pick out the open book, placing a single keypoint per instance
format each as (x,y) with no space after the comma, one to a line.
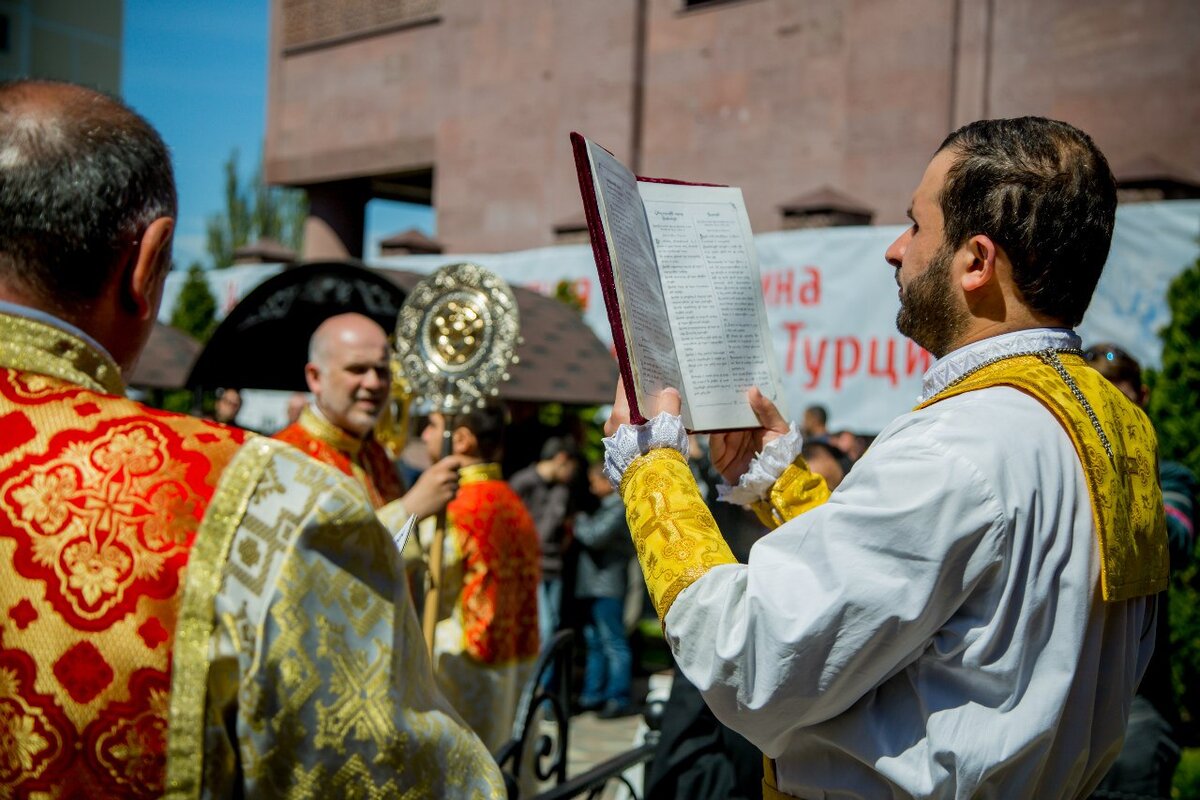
(679,275)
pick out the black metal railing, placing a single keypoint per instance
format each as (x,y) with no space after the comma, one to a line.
(547,695)
(541,735)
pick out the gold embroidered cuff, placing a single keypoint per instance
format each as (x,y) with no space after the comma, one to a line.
(673,531)
(797,490)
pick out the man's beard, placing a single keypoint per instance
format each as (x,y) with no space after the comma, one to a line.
(928,314)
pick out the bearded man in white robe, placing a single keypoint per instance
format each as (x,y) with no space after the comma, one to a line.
(969,613)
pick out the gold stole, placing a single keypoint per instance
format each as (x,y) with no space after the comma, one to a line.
(1118,451)
(1125,496)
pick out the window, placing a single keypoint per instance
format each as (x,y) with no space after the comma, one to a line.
(702,3)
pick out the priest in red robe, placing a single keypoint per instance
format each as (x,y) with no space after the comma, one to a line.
(349,376)
(186,609)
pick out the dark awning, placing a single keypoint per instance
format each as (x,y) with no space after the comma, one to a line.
(263,343)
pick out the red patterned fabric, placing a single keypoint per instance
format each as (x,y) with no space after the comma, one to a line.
(372,468)
(500,551)
(100,500)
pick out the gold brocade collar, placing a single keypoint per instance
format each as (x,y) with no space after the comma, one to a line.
(33,346)
(317,426)
(477,473)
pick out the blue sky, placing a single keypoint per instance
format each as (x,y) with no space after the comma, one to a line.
(198,72)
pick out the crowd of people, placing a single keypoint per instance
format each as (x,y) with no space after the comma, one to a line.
(965,605)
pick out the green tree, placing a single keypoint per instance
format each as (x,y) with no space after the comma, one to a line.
(1173,409)
(195,310)
(564,292)
(253,211)
(1175,388)
(195,314)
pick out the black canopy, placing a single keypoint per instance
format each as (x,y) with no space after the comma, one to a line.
(263,343)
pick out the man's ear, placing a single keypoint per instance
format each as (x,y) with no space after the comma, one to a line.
(312,376)
(462,441)
(979,256)
(147,267)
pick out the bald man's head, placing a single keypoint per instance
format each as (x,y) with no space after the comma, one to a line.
(348,371)
(82,176)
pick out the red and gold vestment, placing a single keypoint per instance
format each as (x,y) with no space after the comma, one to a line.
(100,501)
(162,573)
(365,460)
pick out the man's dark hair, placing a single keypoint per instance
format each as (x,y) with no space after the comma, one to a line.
(559,444)
(1042,190)
(1114,364)
(819,412)
(810,448)
(487,424)
(81,177)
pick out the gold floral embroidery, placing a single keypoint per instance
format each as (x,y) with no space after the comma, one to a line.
(93,572)
(45,499)
(97,499)
(25,749)
(674,534)
(19,742)
(134,450)
(84,511)
(132,751)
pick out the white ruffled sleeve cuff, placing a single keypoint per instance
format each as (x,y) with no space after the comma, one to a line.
(631,441)
(765,469)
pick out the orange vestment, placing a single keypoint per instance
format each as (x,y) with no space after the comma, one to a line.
(499,550)
(486,641)
(364,460)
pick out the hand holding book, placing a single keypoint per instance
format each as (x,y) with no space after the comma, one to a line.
(730,451)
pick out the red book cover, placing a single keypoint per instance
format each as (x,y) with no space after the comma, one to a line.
(604,267)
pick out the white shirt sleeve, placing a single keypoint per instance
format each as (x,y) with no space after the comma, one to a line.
(839,599)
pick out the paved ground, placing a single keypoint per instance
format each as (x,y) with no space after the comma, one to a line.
(594,740)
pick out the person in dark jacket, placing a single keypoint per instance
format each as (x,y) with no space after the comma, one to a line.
(605,548)
(545,489)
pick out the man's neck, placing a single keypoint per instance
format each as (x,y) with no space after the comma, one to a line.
(981,329)
(321,415)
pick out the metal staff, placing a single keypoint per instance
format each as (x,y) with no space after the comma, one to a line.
(456,336)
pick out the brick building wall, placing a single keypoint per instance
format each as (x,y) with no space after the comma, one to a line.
(467,104)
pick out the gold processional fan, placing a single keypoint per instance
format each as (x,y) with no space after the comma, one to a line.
(456,336)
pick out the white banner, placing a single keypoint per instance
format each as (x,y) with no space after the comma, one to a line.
(831,300)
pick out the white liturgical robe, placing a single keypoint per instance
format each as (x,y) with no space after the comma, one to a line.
(936,629)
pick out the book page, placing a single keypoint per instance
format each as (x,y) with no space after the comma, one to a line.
(643,308)
(709,273)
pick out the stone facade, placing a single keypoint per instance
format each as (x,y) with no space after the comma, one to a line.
(467,103)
